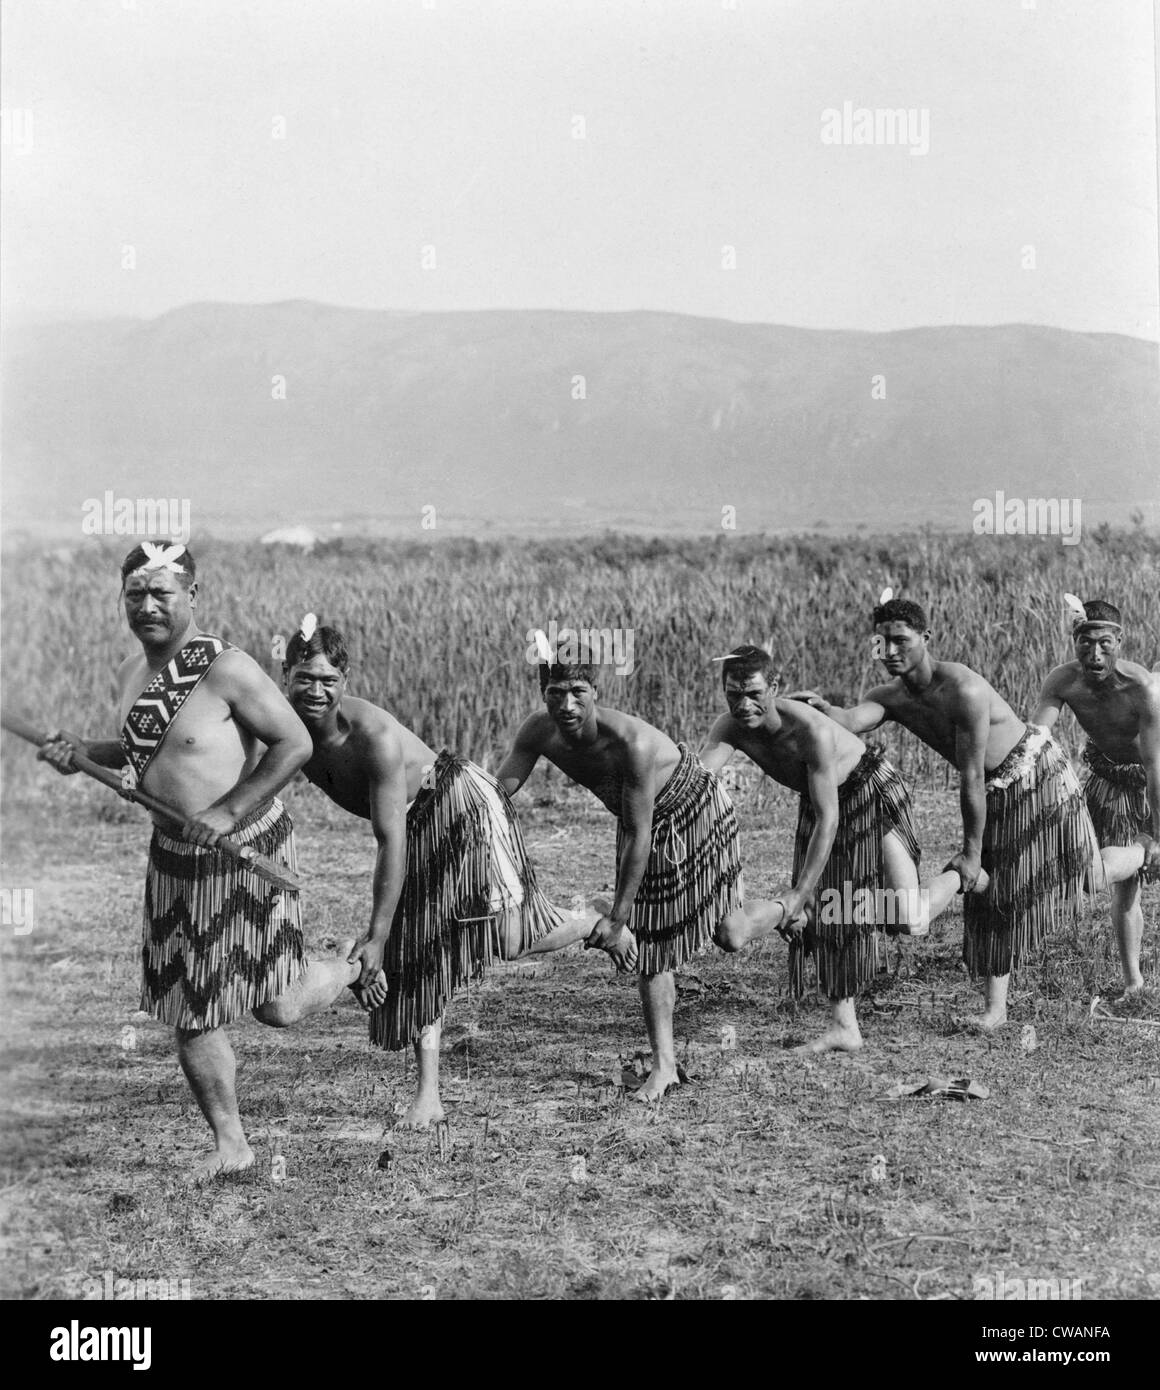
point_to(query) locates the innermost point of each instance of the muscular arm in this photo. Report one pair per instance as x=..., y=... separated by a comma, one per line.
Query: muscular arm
x=1050, y=703
x=823, y=794
x=106, y=751
x=1150, y=757
x=386, y=767
x=387, y=773
x=861, y=718
x=972, y=725
x=718, y=747
x=517, y=767
x=60, y=745
x=638, y=796
x=259, y=707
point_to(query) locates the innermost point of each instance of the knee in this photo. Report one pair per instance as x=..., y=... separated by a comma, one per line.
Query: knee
x=509, y=943
x=276, y=1013
x=732, y=933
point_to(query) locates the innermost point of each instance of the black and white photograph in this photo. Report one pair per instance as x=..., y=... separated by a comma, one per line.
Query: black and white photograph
x=580, y=661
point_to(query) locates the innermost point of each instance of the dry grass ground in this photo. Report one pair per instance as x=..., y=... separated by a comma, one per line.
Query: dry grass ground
x=766, y=1177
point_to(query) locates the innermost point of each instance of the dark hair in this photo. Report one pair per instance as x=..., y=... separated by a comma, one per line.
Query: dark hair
x=136, y=558
x=582, y=669
x=1097, y=611
x=323, y=641
x=901, y=610
x=746, y=661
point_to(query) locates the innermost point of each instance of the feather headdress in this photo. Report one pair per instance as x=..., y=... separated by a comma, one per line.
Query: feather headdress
x=161, y=557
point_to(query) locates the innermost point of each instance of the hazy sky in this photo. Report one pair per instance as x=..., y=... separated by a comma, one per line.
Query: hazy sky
x=452, y=125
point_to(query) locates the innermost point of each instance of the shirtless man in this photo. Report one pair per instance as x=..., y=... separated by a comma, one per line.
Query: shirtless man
x=855, y=837
x=452, y=884
x=1117, y=704
x=1023, y=812
x=206, y=730
x=678, y=865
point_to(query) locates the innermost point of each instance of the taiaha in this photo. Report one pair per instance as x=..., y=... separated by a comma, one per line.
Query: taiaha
x=260, y=864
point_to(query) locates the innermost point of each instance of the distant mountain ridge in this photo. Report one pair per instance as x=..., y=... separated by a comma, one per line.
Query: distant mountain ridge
x=563, y=421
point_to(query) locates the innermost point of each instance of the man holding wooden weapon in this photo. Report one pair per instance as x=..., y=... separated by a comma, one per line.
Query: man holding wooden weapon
x=209, y=740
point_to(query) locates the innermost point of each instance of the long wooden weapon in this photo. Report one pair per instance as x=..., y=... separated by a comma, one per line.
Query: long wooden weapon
x=266, y=868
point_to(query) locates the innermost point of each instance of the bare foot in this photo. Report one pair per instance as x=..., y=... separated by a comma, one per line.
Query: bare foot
x=424, y=1110
x=656, y=1085
x=226, y=1158
x=1135, y=990
x=987, y=1022
x=755, y=919
x=835, y=1039
x=620, y=944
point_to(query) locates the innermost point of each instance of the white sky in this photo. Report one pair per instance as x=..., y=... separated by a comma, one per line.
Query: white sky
x=452, y=126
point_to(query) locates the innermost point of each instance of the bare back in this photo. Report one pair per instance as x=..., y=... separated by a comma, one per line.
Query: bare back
x=943, y=711
x=805, y=739
x=347, y=768
x=601, y=766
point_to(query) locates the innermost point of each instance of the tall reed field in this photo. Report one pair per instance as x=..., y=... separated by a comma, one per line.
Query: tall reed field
x=438, y=630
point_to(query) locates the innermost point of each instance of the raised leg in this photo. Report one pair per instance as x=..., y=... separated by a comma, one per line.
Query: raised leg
x=576, y=926
x=207, y=1059
x=913, y=906
x=753, y=922
x=321, y=984
x=658, y=997
x=1116, y=865
x=426, y=1108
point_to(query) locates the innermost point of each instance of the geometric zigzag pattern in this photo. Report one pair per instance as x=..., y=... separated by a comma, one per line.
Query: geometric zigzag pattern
x=468, y=880
x=1037, y=847
x=873, y=801
x=693, y=876
x=155, y=708
x=1117, y=797
x=218, y=940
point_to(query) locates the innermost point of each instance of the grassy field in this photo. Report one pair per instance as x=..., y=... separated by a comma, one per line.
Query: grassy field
x=768, y=1176
x=439, y=630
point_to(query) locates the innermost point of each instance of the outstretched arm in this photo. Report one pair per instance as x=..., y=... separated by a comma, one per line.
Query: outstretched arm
x=972, y=725
x=718, y=748
x=1049, y=706
x=57, y=750
x=517, y=767
x=386, y=768
x=823, y=793
x=859, y=719
x=637, y=799
x=1150, y=757
x=261, y=709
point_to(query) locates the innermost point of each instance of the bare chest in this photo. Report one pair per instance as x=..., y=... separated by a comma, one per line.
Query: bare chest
x=339, y=773
x=203, y=727
x=595, y=768
x=1112, y=723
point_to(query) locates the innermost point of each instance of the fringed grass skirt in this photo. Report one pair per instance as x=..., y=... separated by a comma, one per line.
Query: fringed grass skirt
x=1037, y=845
x=693, y=877
x=219, y=940
x=467, y=874
x=1117, y=798
x=872, y=802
